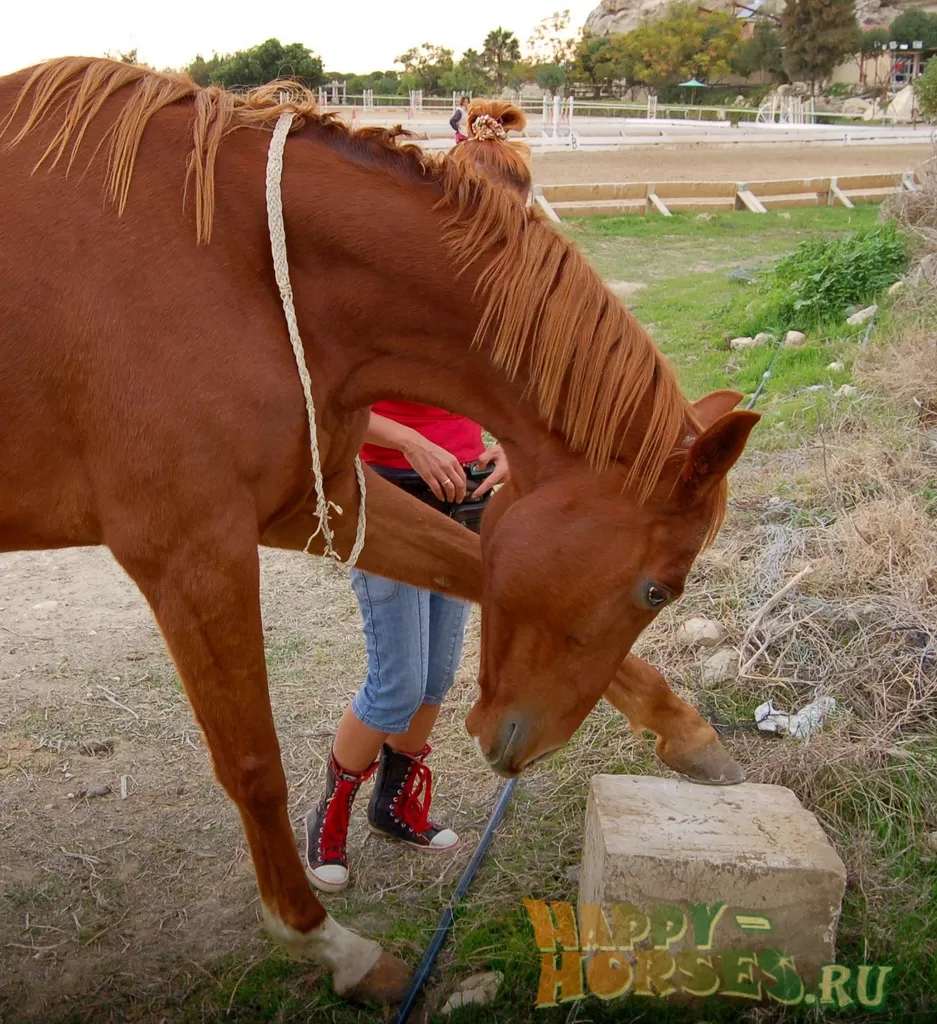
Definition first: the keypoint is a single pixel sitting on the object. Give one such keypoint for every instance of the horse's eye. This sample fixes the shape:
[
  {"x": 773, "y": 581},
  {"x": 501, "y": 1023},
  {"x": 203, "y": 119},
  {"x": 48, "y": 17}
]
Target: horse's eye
[{"x": 655, "y": 596}]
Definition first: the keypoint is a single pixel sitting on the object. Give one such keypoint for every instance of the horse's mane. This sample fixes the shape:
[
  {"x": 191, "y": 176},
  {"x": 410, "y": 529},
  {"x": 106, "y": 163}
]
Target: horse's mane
[{"x": 592, "y": 368}]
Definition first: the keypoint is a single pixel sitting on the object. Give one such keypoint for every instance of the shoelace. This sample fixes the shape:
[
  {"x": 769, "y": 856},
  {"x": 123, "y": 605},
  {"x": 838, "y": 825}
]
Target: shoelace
[
  {"x": 335, "y": 825},
  {"x": 419, "y": 784}
]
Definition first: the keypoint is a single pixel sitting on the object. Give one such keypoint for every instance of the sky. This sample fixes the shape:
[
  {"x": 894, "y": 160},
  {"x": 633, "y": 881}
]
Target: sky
[{"x": 349, "y": 35}]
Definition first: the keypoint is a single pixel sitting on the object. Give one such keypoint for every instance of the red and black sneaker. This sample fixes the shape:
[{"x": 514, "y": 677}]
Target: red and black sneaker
[
  {"x": 400, "y": 804},
  {"x": 327, "y": 827}
]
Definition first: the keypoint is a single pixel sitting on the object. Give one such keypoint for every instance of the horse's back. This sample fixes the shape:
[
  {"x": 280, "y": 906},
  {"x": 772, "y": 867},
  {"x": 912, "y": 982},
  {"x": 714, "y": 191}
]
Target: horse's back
[{"x": 140, "y": 373}]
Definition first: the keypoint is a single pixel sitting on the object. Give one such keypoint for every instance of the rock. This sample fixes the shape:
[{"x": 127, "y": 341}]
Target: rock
[
  {"x": 847, "y": 390},
  {"x": 896, "y": 287},
  {"x": 784, "y": 215},
  {"x": 740, "y": 102},
  {"x": 45, "y": 606},
  {"x": 739, "y": 343},
  {"x": 764, "y": 338},
  {"x": 723, "y": 666},
  {"x": 91, "y": 792},
  {"x": 705, "y": 216},
  {"x": 862, "y": 315},
  {"x": 836, "y": 367},
  {"x": 742, "y": 274},
  {"x": 700, "y": 632},
  {"x": 656, "y": 846},
  {"x": 615, "y": 17},
  {"x": 794, "y": 339},
  {"x": 856, "y": 106},
  {"x": 476, "y": 989}
]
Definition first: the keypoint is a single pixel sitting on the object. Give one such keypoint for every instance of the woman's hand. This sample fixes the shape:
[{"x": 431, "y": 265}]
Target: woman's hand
[
  {"x": 437, "y": 467},
  {"x": 500, "y": 473}
]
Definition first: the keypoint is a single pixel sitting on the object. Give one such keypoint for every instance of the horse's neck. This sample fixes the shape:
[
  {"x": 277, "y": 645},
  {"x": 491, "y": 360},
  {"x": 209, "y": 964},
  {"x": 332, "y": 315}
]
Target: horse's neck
[{"x": 407, "y": 322}]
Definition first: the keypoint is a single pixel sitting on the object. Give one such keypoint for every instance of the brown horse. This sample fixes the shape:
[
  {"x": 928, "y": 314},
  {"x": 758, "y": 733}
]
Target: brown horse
[{"x": 149, "y": 402}]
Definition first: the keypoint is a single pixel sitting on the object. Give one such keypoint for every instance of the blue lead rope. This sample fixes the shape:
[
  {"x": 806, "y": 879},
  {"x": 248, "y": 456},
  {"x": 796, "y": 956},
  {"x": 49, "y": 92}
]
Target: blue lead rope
[{"x": 445, "y": 922}]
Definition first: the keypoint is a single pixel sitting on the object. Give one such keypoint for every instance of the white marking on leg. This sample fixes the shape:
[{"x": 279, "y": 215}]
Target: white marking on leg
[{"x": 348, "y": 956}]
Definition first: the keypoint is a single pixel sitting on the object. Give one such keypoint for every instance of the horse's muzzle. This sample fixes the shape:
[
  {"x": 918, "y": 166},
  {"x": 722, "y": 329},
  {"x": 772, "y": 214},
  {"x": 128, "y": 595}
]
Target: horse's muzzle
[{"x": 509, "y": 754}]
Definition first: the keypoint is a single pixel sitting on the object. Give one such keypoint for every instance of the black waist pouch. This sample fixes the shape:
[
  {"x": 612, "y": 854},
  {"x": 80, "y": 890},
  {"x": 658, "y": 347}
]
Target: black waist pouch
[{"x": 468, "y": 512}]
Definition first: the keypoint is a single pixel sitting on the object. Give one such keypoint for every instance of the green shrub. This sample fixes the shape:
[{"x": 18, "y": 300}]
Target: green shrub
[
  {"x": 821, "y": 278},
  {"x": 925, "y": 89}
]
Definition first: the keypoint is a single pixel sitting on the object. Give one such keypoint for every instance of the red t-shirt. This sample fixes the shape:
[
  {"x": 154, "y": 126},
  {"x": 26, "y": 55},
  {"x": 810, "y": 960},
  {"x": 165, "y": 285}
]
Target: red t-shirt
[{"x": 457, "y": 434}]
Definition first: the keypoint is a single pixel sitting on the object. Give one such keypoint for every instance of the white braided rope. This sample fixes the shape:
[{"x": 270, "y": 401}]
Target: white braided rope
[{"x": 282, "y": 270}]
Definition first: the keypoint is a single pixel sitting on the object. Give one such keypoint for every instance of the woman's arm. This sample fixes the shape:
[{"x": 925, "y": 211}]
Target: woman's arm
[{"x": 436, "y": 466}]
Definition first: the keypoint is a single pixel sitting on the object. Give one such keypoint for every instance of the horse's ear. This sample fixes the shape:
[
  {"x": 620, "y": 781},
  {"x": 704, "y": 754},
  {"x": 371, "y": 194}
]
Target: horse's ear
[
  {"x": 717, "y": 449},
  {"x": 710, "y": 407}
]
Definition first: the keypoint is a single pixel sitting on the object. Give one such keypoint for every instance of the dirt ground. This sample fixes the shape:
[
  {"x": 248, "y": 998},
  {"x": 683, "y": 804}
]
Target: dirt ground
[
  {"x": 94, "y": 889},
  {"x": 700, "y": 162}
]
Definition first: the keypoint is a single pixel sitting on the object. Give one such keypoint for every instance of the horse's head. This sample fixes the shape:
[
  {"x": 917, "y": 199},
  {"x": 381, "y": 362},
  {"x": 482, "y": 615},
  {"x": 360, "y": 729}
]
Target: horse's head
[{"x": 575, "y": 569}]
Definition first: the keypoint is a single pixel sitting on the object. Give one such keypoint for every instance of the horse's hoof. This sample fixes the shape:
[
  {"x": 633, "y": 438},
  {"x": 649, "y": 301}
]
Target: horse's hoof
[
  {"x": 387, "y": 982},
  {"x": 711, "y": 765}
]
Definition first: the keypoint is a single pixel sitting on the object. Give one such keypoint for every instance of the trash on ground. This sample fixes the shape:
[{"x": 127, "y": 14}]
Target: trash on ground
[{"x": 801, "y": 725}]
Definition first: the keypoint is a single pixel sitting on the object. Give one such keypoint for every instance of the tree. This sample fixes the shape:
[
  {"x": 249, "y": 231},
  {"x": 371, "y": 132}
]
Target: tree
[
  {"x": 550, "y": 77},
  {"x": 468, "y": 74},
  {"x": 687, "y": 41},
  {"x": 601, "y": 61},
  {"x": 817, "y": 35},
  {"x": 551, "y": 43},
  {"x": 424, "y": 66},
  {"x": 925, "y": 89},
  {"x": 259, "y": 65},
  {"x": 915, "y": 26},
  {"x": 762, "y": 53},
  {"x": 520, "y": 74},
  {"x": 502, "y": 51},
  {"x": 868, "y": 43}
]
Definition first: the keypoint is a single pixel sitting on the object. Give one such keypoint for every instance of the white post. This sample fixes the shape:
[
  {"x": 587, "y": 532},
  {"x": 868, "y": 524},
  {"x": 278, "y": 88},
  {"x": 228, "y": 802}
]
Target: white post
[{"x": 557, "y": 111}]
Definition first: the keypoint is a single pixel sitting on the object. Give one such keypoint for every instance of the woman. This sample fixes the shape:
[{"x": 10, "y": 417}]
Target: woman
[
  {"x": 414, "y": 642},
  {"x": 459, "y": 120}
]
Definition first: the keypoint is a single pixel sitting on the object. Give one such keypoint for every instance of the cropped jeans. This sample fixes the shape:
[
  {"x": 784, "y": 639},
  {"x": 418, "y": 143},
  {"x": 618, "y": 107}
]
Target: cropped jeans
[{"x": 414, "y": 643}]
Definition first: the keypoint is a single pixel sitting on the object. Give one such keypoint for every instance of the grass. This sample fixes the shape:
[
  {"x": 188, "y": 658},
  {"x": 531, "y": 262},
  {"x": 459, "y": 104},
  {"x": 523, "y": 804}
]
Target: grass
[{"x": 825, "y": 471}]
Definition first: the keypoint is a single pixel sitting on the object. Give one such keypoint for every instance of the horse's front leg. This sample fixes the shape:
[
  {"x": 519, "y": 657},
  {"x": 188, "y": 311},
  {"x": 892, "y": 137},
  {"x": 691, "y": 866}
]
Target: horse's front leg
[
  {"x": 685, "y": 741},
  {"x": 405, "y": 539},
  {"x": 204, "y": 592}
]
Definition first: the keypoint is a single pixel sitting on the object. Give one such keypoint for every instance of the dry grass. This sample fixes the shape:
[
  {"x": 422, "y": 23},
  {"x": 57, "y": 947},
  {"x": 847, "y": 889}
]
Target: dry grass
[{"x": 916, "y": 212}]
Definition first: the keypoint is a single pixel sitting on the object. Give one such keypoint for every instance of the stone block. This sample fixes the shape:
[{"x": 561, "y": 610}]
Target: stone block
[{"x": 669, "y": 849}]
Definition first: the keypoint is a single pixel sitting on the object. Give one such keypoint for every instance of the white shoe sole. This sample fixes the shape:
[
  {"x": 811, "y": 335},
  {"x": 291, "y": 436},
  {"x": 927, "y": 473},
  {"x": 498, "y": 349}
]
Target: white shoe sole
[
  {"x": 415, "y": 846},
  {"x": 323, "y": 885}
]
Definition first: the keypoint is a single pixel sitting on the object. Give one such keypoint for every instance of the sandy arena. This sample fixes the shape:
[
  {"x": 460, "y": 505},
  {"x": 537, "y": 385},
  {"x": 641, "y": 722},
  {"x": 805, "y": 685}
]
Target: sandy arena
[{"x": 701, "y": 162}]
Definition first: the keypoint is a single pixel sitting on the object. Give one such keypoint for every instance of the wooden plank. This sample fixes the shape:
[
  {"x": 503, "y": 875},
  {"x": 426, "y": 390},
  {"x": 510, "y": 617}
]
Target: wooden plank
[
  {"x": 694, "y": 189},
  {"x": 838, "y": 195},
  {"x": 703, "y": 205},
  {"x": 655, "y": 200},
  {"x": 600, "y": 209},
  {"x": 598, "y": 191},
  {"x": 788, "y": 186},
  {"x": 814, "y": 199},
  {"x": 865, "y": 181},
  {"x": 544, "y": 205},
  {"x": 750, "y": 201}
]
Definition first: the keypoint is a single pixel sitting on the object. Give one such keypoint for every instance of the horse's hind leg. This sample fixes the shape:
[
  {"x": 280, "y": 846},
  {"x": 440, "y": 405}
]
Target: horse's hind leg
[
  {"x": 685, "y": 742},
  {"x": 205, "y": 595}
]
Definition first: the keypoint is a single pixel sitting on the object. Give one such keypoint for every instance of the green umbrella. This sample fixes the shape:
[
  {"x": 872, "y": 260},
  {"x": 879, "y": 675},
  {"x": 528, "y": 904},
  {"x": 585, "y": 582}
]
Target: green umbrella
[{"x": 693, "y": 83}]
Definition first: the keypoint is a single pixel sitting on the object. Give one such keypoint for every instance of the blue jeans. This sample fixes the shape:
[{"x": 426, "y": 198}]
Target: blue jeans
[{"x": 414, "y": 642}]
